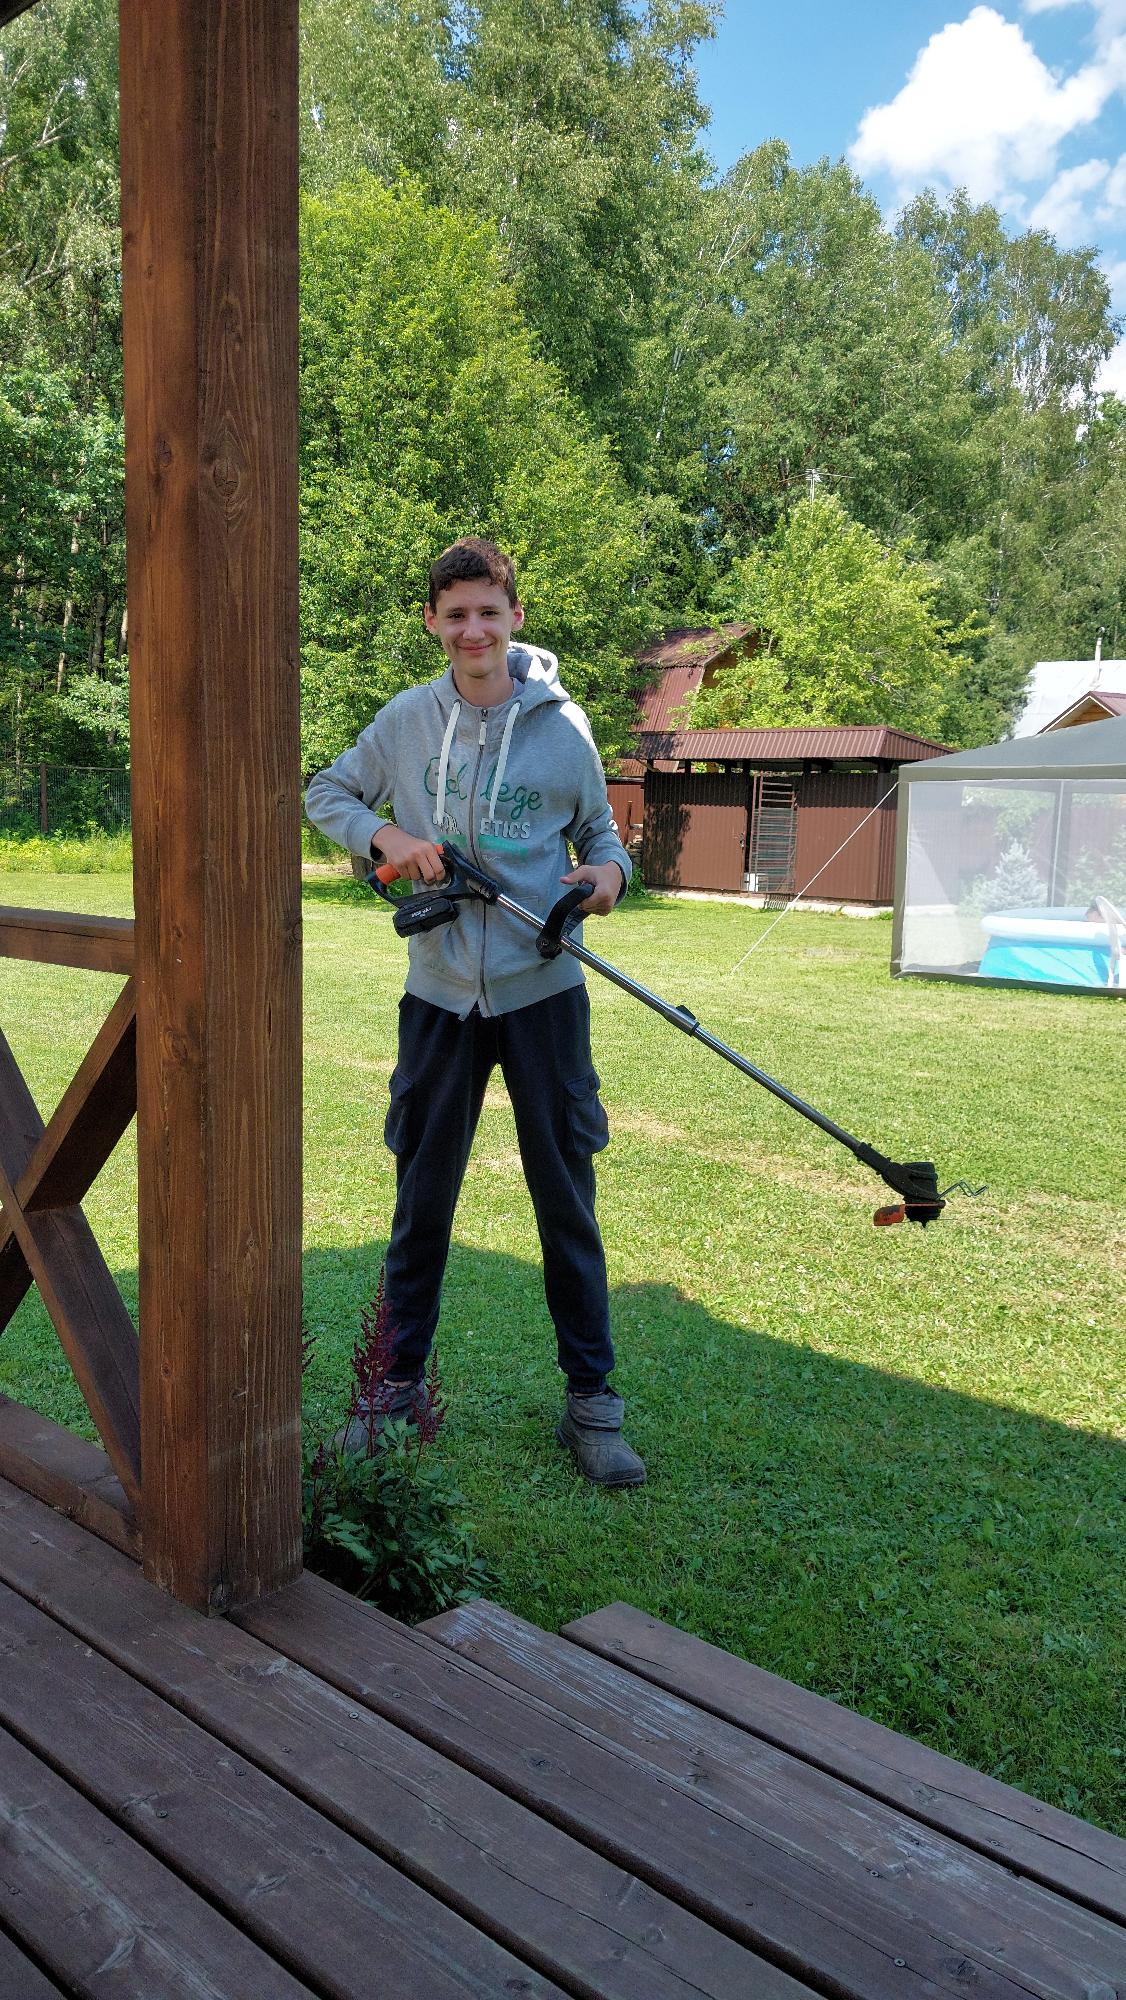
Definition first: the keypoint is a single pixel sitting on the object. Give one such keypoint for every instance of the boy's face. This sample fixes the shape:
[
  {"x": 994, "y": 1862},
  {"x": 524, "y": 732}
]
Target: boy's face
[{"x": 473, "y": 624}]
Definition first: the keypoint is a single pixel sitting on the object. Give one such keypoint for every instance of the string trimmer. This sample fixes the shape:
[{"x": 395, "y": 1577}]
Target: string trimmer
[{"x": 915, "y": 1181}]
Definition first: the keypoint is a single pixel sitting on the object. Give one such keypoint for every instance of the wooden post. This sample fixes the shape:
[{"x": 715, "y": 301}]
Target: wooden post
[
  {"x": 209, "y": 221},
  {"x": 44, "y": 816}
]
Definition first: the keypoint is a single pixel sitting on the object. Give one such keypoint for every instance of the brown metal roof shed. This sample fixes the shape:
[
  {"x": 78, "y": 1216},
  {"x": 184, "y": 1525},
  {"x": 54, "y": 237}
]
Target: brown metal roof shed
[
  {"x": 777, "y": 811},
  {"x": 880, "y": 745}
]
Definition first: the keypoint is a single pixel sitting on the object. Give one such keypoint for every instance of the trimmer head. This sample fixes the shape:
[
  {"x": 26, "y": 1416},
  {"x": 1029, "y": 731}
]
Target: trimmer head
[
  {"x": 915, "y": 1180},
  {"x": 923, "y": 1201}
]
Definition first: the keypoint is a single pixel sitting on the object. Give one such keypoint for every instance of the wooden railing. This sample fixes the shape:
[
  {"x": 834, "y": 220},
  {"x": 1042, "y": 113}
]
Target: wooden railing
[{"x": 46, "y": 1171}]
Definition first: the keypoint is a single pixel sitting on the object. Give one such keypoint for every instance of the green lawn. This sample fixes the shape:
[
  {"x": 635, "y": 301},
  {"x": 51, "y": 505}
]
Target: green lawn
[{"x": 886, "y": 1463}]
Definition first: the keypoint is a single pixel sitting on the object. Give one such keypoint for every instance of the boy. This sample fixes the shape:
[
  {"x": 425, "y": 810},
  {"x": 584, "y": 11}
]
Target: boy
[{"x": 496, "y": 759}]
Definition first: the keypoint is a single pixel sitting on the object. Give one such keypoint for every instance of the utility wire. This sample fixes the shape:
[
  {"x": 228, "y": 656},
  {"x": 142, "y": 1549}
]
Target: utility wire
[{"x": 803, "y": 892}]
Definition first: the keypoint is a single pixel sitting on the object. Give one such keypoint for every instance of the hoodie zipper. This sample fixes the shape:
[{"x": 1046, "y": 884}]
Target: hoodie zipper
[{"x": 473, "y": 849}]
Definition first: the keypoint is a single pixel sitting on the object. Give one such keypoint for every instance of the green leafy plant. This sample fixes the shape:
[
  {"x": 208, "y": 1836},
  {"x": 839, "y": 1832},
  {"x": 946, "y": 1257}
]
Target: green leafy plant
[
  {"x": 1099, "y": 871},
  {"x": 386, "y": 1521}
]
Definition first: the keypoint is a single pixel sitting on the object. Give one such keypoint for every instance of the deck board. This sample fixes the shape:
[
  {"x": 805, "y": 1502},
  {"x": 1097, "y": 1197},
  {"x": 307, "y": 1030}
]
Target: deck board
[
  {"x": 597, "y": 1929},
  {"x": 1081, "y": 1861},
  {"x": 315, "y": 1897},
  {"x": 101, "y": 1914},
  {"x": 782, "y": 1890},
  {"x": 20, "y": 1976},
  {"x": 311, "y": 1798},
  {"x": 1058, "y": 1947}
]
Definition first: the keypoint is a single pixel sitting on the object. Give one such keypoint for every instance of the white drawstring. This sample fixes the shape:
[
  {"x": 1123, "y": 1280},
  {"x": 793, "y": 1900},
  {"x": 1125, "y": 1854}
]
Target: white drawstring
[
  {"x": 503, "y": 758},
  {"x": 444, "y": 765}
]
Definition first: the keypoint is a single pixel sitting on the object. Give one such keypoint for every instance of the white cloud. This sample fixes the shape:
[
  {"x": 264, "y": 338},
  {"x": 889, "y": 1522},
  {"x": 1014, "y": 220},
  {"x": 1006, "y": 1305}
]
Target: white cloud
[
  {"x": 1114, "y": 271},
  {"x": 1112, "y": 207},
  {"x": 1112, "y": 374},
  {"x": 1110, "y": 15},
  {"x": 980, "y": 110},
  {"x": 1062, "y": 208}
]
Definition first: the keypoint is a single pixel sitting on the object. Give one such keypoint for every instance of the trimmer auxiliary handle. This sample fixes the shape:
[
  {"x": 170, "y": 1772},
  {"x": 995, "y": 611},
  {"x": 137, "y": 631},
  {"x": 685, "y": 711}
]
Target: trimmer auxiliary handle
[{"x": 916, "y": 1181}]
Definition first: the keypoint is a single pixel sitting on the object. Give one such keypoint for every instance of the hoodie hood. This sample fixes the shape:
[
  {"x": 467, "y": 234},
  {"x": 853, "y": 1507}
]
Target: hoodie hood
[
  {"x": 533, "y": 669},
  {"x": 535, "y": 680}
]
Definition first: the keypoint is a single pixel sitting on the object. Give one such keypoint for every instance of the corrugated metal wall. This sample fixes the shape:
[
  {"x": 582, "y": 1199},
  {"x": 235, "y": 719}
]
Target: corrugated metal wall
[
  {"x": 696, "y": 826},
  {"x": 627, "y": 803},
  {"x": 832, "y": 805},
  {"x": 695, "y": 829}
]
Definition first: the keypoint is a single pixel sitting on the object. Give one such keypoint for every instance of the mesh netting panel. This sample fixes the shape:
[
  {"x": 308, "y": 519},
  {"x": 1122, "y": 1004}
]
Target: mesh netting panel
[{"x": 1017, "y": 879}]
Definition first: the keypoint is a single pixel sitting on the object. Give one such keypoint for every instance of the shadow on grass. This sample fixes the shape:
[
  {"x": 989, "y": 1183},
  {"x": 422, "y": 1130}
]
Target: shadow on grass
[{"x": 947, "y": 1565}]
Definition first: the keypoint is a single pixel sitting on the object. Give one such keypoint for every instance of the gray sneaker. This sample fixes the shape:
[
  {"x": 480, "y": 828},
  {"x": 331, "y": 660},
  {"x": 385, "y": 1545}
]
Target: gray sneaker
[
  {"x": 363, "y": 1428},
  {"x": 591, "y": 1430}
]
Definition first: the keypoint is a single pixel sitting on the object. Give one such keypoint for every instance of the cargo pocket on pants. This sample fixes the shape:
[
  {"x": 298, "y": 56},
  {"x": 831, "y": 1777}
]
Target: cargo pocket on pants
[
  {"x": 587, "y": 1127},
  {"x": 396, "y": 1125}
]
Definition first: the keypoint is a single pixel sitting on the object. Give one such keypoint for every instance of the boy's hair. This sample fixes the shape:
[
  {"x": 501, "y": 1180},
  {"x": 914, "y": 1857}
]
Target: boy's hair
[{"x": 472, "y": 560}]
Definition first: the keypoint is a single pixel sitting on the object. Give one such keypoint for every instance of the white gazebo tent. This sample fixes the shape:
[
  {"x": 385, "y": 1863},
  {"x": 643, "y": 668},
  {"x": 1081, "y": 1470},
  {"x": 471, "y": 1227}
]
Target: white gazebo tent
[{"x": 1011, "y": 862}]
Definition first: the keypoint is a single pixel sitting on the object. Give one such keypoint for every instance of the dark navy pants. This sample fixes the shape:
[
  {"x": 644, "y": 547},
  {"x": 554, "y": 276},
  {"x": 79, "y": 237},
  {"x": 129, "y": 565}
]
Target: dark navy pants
[{"x": 543, "y": 1052}]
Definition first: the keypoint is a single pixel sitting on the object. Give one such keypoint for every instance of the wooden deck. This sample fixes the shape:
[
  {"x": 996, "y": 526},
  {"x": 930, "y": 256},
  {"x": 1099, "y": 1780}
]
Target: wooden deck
[{"x": 313, "y": 1799}]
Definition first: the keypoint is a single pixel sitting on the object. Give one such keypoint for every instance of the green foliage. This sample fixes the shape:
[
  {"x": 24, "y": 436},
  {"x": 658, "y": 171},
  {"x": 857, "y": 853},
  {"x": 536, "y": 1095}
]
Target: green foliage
[
  {"x": 388, "y": 1527},
  {"x": 571, "y": 125},
  {"x": 590, "y": 344},
  {"x": 1100, "y": 872},
  {"x": 426, "y": 413},
  {"x": 850, "y": 632},
  {"x": 62, "y": 558},
  {"x": 316, "y": 846},
  {"x": 63, "y": 475},
  {"x": 383, "y": 1520},
  {"x": 831, "y": 355},
  {"x": 1028, "y": 321},
  {"x": 1036, "y": 536}
]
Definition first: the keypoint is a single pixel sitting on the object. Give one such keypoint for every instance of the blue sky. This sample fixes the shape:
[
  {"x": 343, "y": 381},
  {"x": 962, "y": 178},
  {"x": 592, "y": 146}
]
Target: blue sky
[{"x": 1021, "y": 101}]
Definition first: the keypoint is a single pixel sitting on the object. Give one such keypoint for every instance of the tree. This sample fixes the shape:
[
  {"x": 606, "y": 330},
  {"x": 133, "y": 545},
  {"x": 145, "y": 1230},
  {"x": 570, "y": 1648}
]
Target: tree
[
  {"x": 1030, "y": 325},
  {"x": 376, "y": 89},
  {"x": 62, "y": 569},
  {"x": 1025, "y": 316},
  {"x": 427, "y": 412},
  {"x": 850, "y": 635},
  {"x": 832, "y": 357},
  {"x": 573, "y": 125}
]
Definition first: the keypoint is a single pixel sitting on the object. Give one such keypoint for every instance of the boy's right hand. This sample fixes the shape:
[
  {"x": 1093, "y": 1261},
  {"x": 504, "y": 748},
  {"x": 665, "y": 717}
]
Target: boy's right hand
[{"x": 418, "y": 860}]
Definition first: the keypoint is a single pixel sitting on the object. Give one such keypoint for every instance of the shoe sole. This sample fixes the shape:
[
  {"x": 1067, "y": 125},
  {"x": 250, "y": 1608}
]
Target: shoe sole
[{"x": 612, "y": 1485}]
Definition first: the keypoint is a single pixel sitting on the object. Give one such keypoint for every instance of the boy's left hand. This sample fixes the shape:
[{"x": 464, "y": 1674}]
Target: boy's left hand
[{"x": 607, "y": 879}]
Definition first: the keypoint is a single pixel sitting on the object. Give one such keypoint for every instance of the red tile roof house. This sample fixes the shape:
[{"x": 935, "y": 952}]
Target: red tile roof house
[{"x": 689, "y": 658}]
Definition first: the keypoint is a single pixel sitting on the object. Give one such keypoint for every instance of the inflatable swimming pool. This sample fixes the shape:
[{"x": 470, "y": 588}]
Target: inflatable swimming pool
[{"x": 1058, "y": 946}]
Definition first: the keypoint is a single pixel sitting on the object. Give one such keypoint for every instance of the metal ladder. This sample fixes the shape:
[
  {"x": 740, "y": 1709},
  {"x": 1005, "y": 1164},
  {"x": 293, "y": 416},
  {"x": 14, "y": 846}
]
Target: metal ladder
[{"x": 774, "y": 838}]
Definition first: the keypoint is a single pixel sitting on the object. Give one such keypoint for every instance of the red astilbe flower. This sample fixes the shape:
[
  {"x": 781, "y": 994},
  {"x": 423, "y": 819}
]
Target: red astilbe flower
[
  {"x": 372, "y": 1359},
  {"x": 431, "y": 1408}
]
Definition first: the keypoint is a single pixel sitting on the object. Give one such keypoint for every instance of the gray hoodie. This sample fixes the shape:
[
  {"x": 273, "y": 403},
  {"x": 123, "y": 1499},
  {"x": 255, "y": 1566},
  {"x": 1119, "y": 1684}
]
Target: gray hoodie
[{"x": 509, "y": 786}]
